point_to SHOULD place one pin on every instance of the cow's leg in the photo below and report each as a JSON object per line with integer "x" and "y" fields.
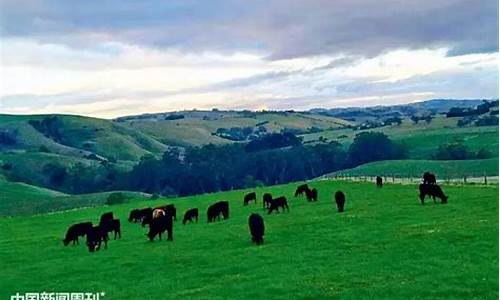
{"x": 169, "y": 235}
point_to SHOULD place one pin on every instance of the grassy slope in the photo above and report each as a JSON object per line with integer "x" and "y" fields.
{"x": 415, "y": 168}
{"x": 191, "y": 131}
{"x": 386, "y": 245}
{"x": 18, "y": 198}
{"x": 423, "y": 139}
{"x": 83, "y": 135}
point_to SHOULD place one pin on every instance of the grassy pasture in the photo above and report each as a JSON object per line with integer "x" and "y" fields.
{"x": 386, "y": 245}
{"x": 423, "y": 139}
{"x": 444, "y": 169}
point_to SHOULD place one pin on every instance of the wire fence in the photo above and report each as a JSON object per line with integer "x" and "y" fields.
{"x": 401, "y": 179}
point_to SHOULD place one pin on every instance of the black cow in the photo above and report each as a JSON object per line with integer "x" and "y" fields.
{"x": 113, "y": 226}
{"x": 266, "y": 200}
{"x": 95, "y": 236}
{"x": 379, "y": 181}
{"x": 429, "y": 178}
{"x": 106, "y": 217}
{"x": 190, "y": 215}
{"x": 301, "y": 190}
{"x": 146, "y": 215}
{"x": 250, "y": 197}
{"x": 312, "y": 195}
{"x": 169, "y": 210}
{"x": 216, "y": 209}
{"x": 432, "y": 190}
{"x": 277, "y": 203}
{"x": 135, "y": 216}
{"x": 340, "y": 200}
{"x": 75, "y": 231}
{"x": 256, "y": 224}
{"x": 160, "y": 225}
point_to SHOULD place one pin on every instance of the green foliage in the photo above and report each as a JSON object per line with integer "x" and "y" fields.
{"x": 213, "y": 168}
{"x": 115, "y": 198}
{"x": 487, "y": 121}
{"x": 372, "y": 146}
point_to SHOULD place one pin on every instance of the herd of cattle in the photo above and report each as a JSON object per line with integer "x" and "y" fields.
{"x": 160, "y": 219}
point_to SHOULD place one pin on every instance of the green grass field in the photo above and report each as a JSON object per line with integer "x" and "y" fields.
{"x": 443, "y": 169}
{"x": 21, "y": 199}
{"x": 385, "y": 246}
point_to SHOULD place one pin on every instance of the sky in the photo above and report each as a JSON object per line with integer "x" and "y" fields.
{"x": 114, "y": 58}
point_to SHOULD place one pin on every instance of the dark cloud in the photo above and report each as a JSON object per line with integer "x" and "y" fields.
{"x": 282, "y": 29}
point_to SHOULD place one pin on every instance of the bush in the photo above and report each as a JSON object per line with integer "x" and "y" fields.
{"x": 44, "y": 149}
{"x": 452, "y": 151}
{"x": 115, "y": 198}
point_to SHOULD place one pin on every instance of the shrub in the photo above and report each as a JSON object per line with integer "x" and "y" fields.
{"x": 115, "y": 198}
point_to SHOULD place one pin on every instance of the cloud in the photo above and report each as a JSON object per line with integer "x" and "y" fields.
{"x": 280, "y": 29}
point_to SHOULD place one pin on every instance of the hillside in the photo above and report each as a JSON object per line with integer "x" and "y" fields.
{"x": 203, "y": 127}
{"x": 423, "y": 139}
{"x": 443, "y": 169}
{"x": 77, "y": 136}
{"x": 21, "y": 199}
{"x": 375, "y": 250}
{"x": 373, "y": 113}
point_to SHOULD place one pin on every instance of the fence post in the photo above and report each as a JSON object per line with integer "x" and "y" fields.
{"x": 465, "y": 179}
{"x": 392, "y": 178}
{"x": 485, "y": 180}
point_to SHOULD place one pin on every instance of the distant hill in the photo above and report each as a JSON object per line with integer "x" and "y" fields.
{"x": 55, "y": 150}
{"x": 192, "y": 128}
{"x": 372, "y": 113}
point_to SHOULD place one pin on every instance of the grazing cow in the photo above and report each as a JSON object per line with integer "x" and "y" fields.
{"x": 135, "y": 216}
{"x": 159, "y": 225}
{"x": 256, "y": 224}
{"x": 429, "y": 178}
{"x": 115, "y": 227}
{"x": 157, "y": 212}
{"x": 277, "y": 203}
{"x": 266, "y": 200}
{"x": 190, "y": 215}
{"x": 145, "y": 213}
{"x": 301, "y": 190}
{"x": 340, "y": 200}
{"x": 169, "y": 210}
{"x": 166, "y": 210}
{"x": 106, "y": 217}
{"x": 250, "y": 197}
{"x": 379, "y": 181}
{"x": 216, "y": 209}
{"x": 312, "y": 195}
{"x": 75, "y": 231}
{"x": 95, "y": 236}
{"x": 432, "y": 190}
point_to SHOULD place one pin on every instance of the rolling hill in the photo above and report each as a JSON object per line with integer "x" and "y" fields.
{"x": 443, "y": 169}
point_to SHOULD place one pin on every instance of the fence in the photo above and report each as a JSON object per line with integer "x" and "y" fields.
{"x": 477, "y": 180}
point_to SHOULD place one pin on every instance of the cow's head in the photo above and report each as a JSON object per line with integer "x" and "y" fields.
{"x": 65, "y": 242}
{"x": 92, "y": 245}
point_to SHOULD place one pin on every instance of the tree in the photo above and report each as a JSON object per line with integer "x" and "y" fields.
{"x": 452, "y": 151}
{"x": 373, "y": 146}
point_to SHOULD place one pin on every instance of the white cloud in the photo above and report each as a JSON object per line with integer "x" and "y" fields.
{"x": 111, "y": 79}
